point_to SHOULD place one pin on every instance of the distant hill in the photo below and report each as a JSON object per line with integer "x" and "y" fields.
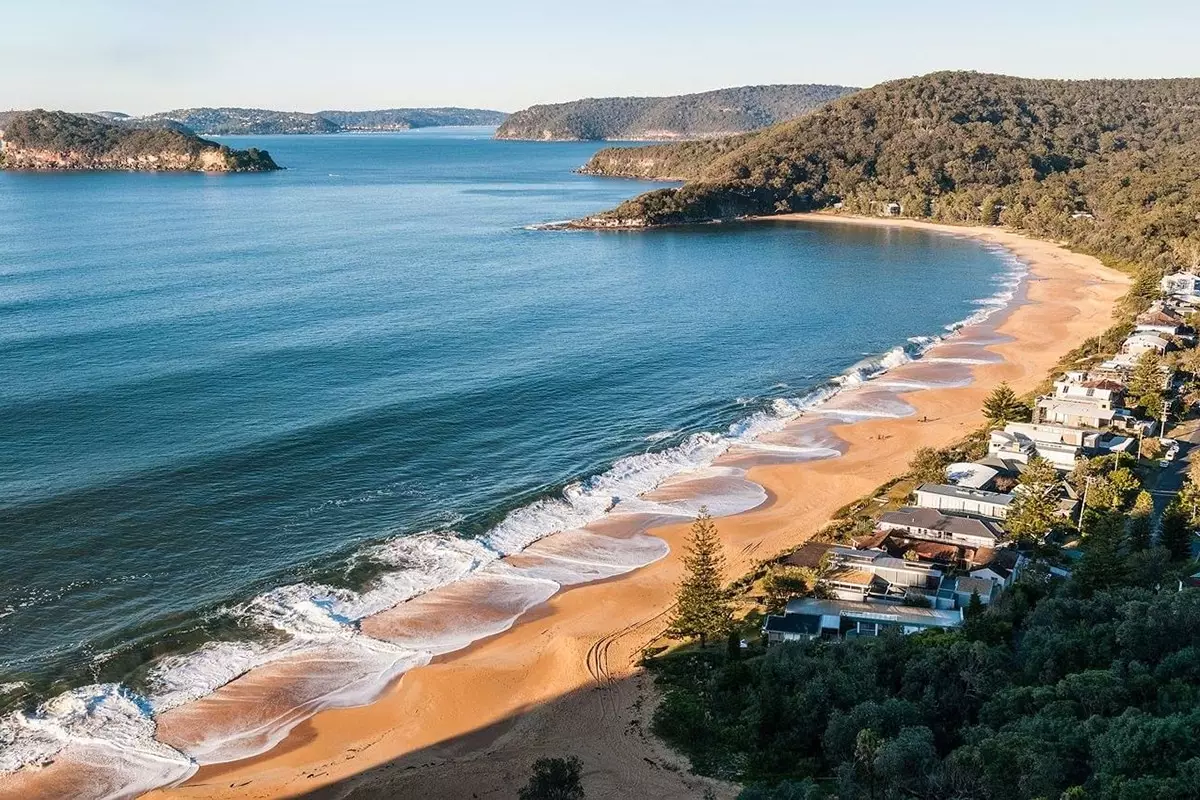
{"x": 689, "y": 116}
{"x": 259, "y": 121}
{"x": 391, "y": 119}
{"x": 55, "y": 140}
{"x": 1112, "y": 166}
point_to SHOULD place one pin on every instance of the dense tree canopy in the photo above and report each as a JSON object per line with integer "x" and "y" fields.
{"x": 1111, "y": 166}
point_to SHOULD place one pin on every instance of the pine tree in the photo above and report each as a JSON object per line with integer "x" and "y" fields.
{"x": 1002, "y": 406}
{"x": 1145, "y": 384}
{"x": 1176, "y": 532}
{"x": 1141, "y": 521}
{"x": 702, "y": 607}
{"x": 1103, "y": 563}
{"x": 1035, "y": 511}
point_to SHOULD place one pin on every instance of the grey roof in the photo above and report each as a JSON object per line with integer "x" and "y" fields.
{"x": 934, "y": 520}
{"x": 966, "y": 493}
{"x": 793, "y": 623}
{"x": 875, "y": 612}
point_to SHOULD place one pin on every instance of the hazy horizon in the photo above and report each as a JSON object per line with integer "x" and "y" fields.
{"x": 137, "y": 57}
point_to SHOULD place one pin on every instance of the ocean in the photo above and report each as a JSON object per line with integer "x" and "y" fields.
{"x": 240, "y": 414}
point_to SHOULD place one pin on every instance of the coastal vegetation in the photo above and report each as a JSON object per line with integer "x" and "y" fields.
{"x": 57, "y": 140}
{"x": 554, "y": 779}
{"x": 690, "y": 116}
{"x": 1109, "y": 166}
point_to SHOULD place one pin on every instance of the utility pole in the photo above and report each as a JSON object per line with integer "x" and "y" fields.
{"x": 1083, "y": 506}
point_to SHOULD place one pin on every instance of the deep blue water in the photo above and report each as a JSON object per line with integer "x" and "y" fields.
{"x": 213, "y": 385}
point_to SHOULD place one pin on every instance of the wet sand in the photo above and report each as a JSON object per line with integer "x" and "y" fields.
{"x": 563, "y": 679}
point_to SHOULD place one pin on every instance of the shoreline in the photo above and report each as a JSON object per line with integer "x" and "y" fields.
{"x": 568, "y": 659}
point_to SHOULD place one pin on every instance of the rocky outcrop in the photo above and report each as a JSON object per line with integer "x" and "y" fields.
{"x": 54, "y": 140}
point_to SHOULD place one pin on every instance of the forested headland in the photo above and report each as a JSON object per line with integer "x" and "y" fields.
{"x": 690, "y": 116}
{"x": 55, "y": 140}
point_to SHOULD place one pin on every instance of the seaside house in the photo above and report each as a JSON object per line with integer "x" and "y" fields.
{"x": 934, "y": 526}
{"x": 1158, "y": 320}
{"x": 791, "y": 628}
{"x": 862, "y": 574}
{"x": 956, "y": 592}
{"x": 1139, "y": 343}
{"x": 1003, "y": 567}
{"x": 963, "y": 500}
{"x": 970, "y": 475}
{"x": 838, "y": 618}
{"x": 1183, "y": 287}
{"x": 1059, "y": 444}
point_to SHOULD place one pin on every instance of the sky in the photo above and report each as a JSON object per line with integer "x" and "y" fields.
{"x": 140, "y": 57}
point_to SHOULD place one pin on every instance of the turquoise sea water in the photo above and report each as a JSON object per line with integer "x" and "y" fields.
{"x": 226, "y": 399}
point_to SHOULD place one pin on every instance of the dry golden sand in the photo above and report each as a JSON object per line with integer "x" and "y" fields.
{"x": 563, "y": 680}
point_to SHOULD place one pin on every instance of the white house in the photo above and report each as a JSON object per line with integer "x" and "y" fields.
{"x": 1157, "y": 320}
{"x": 1004, "y": 567}
{"x": 971, "y": 475}
{"x": 1182, "y": 286}
{"x": 1140, "y": 343}
{"x": 963, "y": 500}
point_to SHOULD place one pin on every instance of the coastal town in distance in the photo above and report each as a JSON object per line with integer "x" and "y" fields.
{"x": 479, "y": 401}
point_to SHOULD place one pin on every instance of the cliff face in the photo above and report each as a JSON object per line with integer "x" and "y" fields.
{"x": 45, "y": 140}
{"x": 693, "y": 116}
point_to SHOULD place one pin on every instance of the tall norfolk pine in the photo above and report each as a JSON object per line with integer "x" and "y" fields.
{"x": 702, "y": 605}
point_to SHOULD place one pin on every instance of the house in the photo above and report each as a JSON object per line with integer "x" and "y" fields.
{"x": 957, "y": 592}
{"x": 791, "y": 627}
{"x": 1003, "y": 568}
{"x": 1158, "y": 320}
{"x": 859, "y": 574}
{"x": 809, "y": 554}
{"x": 1082, "y": 386}
{"x": 1182, "y": 286}
{"x": 1059, "y": 444}
{"x": 1075, "y": 413}
{"x": 1140, "y": 343}
{"x": 849, "y": 618}
{"x": 963, "y": 500}
{"x": 892, "y": 209}
{"x": 932, "y": 525}
{"x": 971, "y": 475}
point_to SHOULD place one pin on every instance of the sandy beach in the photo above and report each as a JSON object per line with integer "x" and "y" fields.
{"x": 564, "y": 681}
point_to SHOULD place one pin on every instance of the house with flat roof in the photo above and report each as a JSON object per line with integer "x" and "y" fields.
{"x": 791, "y": 627}
{"x": 971, "y": 475}
{"x": 932, "y": 525}
{"x": 956, "y": 592}
{"x": 1061, "y": 445}
{"x": 1073, "y": 412}
{"x": 849, "y": 618}
{"x": 1183, "y": 287}
{"x": 861, "y": 574}
{"x": 963, "y": 500}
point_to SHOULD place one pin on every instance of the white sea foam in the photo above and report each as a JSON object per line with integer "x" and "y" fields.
{"x": 109, "y": 722}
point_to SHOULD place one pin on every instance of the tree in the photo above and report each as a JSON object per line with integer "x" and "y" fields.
{"x": 1145, "y": 384}
{"x": 554, "y": 779}
{"x": 1102, "y": 564}
{"x": 928, "y": 465}
{"x": 1176, "y": 532}
{"x": 974, "y": 607}
{"x": 1141, "y": 521}
{"x": 1002, "y": 406}
{"x": 784, "y": 583}
{"x": 1035, "y": 511}
{"x": 702, "y": 607}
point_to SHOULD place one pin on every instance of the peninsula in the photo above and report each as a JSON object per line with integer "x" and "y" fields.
{"x": 260, "y": 121}
{"x": 55, "y": 140}
{"x": 690, "y": 116}
{"x": 1103, "y": 164}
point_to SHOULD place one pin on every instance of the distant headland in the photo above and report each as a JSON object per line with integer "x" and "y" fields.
{"x": 56, "y": 140}
{"x": 690, "y": 116}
